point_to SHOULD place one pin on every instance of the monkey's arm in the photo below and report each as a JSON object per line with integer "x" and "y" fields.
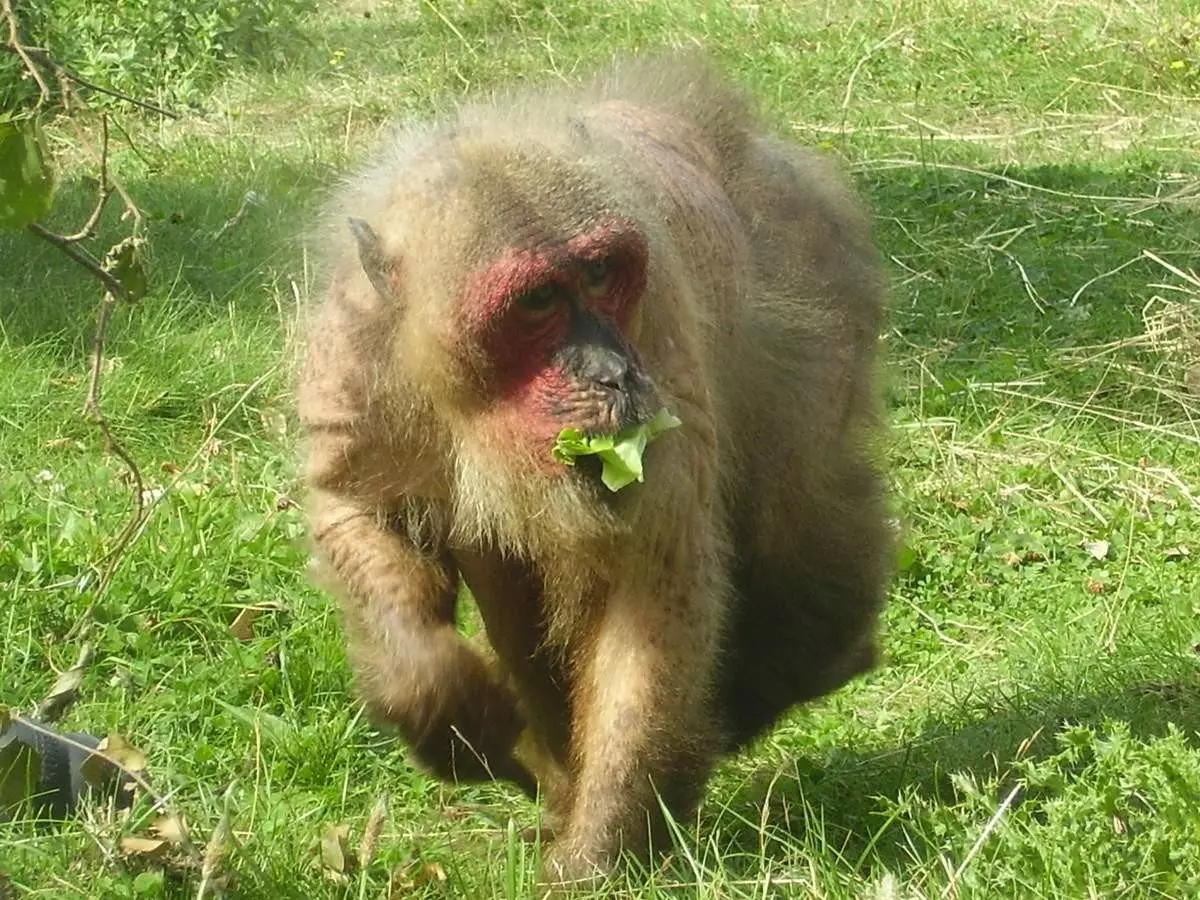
{"x": 413, "y": 668}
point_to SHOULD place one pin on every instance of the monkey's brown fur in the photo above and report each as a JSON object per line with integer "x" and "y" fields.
{"x": 727, "y": 277}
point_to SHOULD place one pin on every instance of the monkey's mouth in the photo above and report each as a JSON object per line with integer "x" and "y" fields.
{"x": 598, "y": 410}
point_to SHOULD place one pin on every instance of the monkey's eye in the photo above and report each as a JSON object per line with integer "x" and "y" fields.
{"x": 595, "y": 277}
{"x": 540, "y": 302}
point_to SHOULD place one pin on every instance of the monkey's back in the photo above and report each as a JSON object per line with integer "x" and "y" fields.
{"x": 805, "y": 494}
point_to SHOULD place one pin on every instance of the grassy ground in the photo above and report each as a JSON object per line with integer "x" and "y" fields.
{"x": 1034, "y": 730}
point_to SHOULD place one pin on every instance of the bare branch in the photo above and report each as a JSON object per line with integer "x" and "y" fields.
{"x": 36, "y": 58}
{"x": 103, "y": 192}
{"x": 15, "y": 46}
{"x": 93, "y": 411}
{"x": 80, "y": 256}
{"x": 46, "y": 59}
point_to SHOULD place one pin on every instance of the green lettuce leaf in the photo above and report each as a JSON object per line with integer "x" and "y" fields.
{"x": 620, "y": 454}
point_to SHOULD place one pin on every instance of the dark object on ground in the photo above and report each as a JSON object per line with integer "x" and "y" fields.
{"x": 61, "y": 784}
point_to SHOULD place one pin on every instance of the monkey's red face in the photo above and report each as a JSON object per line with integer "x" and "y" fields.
{"x": 554, "y": 323}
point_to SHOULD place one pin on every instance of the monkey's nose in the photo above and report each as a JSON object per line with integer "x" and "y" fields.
{"x": 610, "y": 370}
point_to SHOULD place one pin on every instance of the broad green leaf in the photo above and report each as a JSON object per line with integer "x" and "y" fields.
{"x": 26, "y": 180}
{"x": 620, "y": 454}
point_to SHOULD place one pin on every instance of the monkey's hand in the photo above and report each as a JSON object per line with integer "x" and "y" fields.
{"x": 461, "y": 722}
{"x": 412, "y": 667}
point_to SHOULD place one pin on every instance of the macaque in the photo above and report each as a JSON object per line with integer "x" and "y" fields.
{"x": 584, "y": 257}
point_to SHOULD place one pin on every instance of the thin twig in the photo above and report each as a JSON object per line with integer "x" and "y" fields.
{"x": 886, "y": 163}
{"x": 1030, "y": 290}
{"x": 103, "y": 192}
{"x": 863, "y": 61}
{"x": 131, "y": 208}
{"x": 93, "y": 411}
{"x": 15, "y": 46}
{"x": 31, "y": 57}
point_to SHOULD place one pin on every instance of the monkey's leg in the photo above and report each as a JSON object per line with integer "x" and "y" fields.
{"x": 642, "y": 728}
{"x": 805, "y": 618}
{"x": 413, "y": 668}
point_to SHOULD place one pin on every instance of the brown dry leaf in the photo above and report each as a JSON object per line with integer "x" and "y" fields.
{"x": 65, "y": 689}
{"x": 116, "y": 750}
{"x": 139, "y": 846}
{"x": 242, "y": 627}
{"x": 171, "y": 828}
{"x": 412, "y": 876}
{"x": 1011, "y": 559}
{"x": 1094, "y": 587}
{"x": 335, "y": 856}
{"x": 432, "y": 871}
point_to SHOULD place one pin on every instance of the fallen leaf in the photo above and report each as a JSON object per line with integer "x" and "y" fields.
{"x": 65, "y": 689}
{"x": 1094, "y": 587}
{"x": 411, "y": 877}
{"x": 171, "y": 828}
{"x": 242, "y": 627}
{"x": 140, "y": 846}
{"x": 433, "y": 871}
{"x": 1096, "y": 549}
{"x": 124, "y": 263}
{"x": 335, "y": 856}
{"x": 115, "y": 750}
{"x": 1011, "y": 559}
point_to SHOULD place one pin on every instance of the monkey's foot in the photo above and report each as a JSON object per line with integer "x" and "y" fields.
{"x": 567, "y": 869}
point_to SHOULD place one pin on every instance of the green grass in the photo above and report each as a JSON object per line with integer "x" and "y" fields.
{"x": 1019, "y": 157}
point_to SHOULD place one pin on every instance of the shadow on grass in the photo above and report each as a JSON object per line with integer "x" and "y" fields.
{"x": 864, "y": 807}
{"x": 215, "y": 242}
{"x": 983, "y": 270}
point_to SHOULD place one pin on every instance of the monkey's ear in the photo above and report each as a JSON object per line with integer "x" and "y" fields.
{"x": 370, "y": 254}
